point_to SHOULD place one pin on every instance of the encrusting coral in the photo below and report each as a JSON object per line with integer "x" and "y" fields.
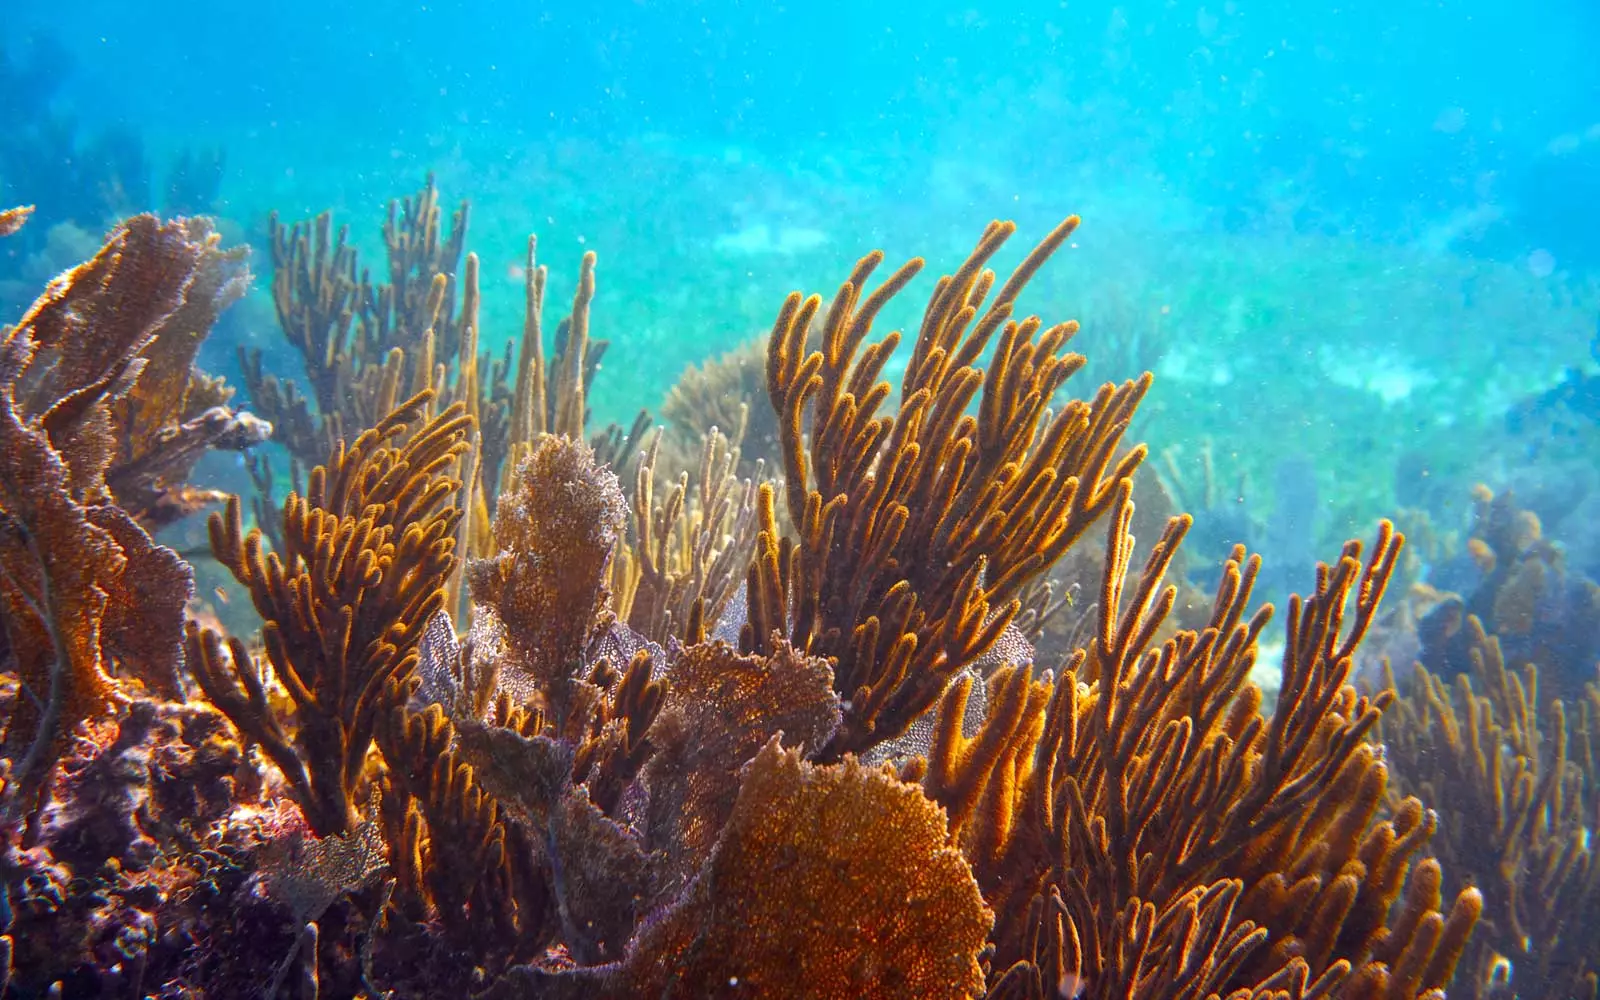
{"x": 635, "y": 776}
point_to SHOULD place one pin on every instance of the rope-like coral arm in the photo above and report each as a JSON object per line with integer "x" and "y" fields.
{"x": 1138, "y": 825}
{"x": 1514, "y": 776}
{"x": 13, "y": 219}
{"x": 366, "y": 555}
{"x": 917, "y": 531}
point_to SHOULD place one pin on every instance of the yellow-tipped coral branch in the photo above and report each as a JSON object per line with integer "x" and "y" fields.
{"x": 366, "y": 555}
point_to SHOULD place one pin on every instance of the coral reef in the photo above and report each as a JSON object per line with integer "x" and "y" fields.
{"x": 1516, "y": 582}
{"x": 1517, "y": 782}
{"x": 686, "y": 746}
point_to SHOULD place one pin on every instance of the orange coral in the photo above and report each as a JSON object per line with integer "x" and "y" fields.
{"x": 553, "y": 531}
{"x": 448, "y": 843}
{"x": 827, "y": 881}
{"x": 627, "y": 820}
{"x": 918, "y": 531}
{"x": 366, "y": 554}
{"x": 1136, "y": 822}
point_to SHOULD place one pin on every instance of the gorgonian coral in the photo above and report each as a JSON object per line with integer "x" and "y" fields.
{"x": 366, "y": 555}
{"x": 872, "y": 793}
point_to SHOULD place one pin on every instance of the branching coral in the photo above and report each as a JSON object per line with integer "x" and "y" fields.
{"x": 331, "y": 315}
{"x": 366, "y": 555}
{"x": 451, "y": 848}
{"x": 1516, "y": 785}
{"x": 365, "y": 344}
{"x": 684, "y": 561}
{"x": 593, "y": 794}
{"x": 345, "y": 327}
{"x": 917, "y": 531}
{"x": 1138, "y": 826}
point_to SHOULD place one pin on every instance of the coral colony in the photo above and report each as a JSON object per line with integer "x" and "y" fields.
{"x": 828, "y": 688}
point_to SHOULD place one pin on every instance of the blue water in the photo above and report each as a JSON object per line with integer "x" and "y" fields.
{"x": 1390, "y": 201}
{"x": 1379, "y": 110}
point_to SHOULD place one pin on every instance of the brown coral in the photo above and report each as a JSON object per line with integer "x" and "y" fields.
{"x": 364, "y": 344}
{"x": 366, "y": 554}
{"x": 1515, "y": 782}
{"x": 918, "y": 531}
{"x": 720, "y": 710}
{"x": 174, "y": 412}
{"x": 84, "y": 587}
{"x": 827, "y": 881}
{"x": 448, "y": 843}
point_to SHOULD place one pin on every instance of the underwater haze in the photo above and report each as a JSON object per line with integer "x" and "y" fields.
{"x": 1395, "y": 201}
{"x": 1356, "y": 244}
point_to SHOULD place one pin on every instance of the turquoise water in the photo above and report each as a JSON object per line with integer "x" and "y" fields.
{"x": 1411, "y": 188}
{"x": 1357, "y": 232}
